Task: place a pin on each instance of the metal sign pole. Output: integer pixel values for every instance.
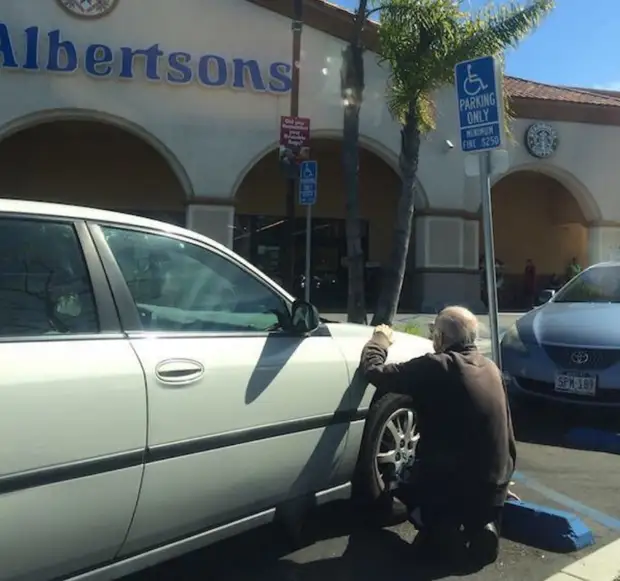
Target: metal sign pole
(308, 251)
(489, 252)
(307, 197)
(479, 90)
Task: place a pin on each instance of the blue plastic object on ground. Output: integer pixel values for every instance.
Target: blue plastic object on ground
(593, 439)
(544, 527)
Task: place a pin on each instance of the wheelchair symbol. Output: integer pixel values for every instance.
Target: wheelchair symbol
(308, 172)
(473, 83)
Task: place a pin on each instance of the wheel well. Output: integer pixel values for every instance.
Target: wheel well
(375, 398)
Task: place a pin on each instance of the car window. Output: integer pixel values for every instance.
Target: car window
(45, 288)
(178, 286)
(600, 284)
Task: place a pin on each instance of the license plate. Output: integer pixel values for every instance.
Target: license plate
(577, 384)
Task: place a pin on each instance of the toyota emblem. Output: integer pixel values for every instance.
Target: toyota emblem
(579, 357)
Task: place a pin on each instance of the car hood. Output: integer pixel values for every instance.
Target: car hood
(352, 338)
(582, 324)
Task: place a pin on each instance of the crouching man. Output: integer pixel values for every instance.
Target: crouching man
(466, 454)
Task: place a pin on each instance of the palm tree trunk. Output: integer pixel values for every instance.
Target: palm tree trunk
(394, 271)
(352, 87)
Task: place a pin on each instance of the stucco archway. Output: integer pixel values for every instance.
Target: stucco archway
(260, 205)
(577, 189)
(94, 116)
(74, 159)
(536, 216)
(366, 144)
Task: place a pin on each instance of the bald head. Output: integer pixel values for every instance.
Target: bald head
(455, 326)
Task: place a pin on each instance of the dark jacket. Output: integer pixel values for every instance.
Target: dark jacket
(462, 411)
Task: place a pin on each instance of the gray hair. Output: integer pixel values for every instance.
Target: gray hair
(456, 326)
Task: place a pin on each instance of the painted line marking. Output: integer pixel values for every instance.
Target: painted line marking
(597, 516)
(601, 565)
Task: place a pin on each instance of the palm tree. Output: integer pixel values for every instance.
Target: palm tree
(352, 90)
(422, 41)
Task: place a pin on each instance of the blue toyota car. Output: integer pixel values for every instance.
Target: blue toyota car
(568, 349)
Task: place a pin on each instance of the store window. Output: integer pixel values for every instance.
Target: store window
(261, 240)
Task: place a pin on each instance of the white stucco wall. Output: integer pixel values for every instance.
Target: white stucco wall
(217, 134)
(586, 162)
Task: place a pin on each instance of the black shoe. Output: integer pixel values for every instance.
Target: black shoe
(439, 546)
(484, 545)
(424, 548)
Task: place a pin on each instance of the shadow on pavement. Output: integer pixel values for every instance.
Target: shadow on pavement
(263, 555)
(548, 424)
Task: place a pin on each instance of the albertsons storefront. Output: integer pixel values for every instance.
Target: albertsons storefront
(172, 110)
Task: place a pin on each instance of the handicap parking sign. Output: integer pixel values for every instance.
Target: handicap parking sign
(308, 183)
(481, 106)
(308, 170)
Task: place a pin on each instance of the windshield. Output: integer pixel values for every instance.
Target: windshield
(596, 285)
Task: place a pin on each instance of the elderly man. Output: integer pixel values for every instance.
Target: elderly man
(466, 454)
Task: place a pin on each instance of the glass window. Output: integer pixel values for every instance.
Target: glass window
(183, 287)
(596, 285)
(44, 283)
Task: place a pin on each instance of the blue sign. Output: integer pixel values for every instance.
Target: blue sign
(38, 50)
(481, 107)
(308, 173)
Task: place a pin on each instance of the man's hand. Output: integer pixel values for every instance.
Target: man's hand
(512, 496)
(386, 331)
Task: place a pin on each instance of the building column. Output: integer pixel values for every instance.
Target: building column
(446, 261)
(213, 220)
(603, 243)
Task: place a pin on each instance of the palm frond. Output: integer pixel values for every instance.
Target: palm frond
(423, 40)
(494, 29)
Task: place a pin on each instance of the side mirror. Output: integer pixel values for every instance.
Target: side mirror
(304, 317)
(545, 296)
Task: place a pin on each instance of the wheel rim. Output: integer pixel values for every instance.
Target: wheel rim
(396, 446)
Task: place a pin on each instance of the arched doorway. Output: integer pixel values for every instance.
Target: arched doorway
(90, 163)
(535, 217)
(261, 212)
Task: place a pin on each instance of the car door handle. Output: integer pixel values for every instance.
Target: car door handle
(179, 371)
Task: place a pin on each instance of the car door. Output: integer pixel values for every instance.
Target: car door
(72, 404)
(242, 414)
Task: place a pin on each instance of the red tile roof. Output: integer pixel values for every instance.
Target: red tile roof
(523, 89)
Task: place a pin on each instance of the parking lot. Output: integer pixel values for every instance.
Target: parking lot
(583, 482)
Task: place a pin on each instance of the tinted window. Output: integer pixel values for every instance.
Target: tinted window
(596, 285)
(44, 284)
(178, 286)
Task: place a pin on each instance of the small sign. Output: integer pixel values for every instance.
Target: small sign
(294, 139)
(481, 105)
(307, 183)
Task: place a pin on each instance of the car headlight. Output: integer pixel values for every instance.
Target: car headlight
(512, 340)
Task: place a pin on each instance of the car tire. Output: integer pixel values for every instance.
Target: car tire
(369, 489)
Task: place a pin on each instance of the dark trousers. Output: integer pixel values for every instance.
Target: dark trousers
(448, 503)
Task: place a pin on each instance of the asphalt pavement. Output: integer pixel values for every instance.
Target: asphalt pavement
(341, 550)
(339, 547)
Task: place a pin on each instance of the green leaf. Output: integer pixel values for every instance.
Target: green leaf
(423, 40)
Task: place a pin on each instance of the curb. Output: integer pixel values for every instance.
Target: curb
(593, 439)
(544, 528)
(601, 565)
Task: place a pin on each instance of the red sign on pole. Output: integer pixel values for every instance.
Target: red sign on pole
(294, 139)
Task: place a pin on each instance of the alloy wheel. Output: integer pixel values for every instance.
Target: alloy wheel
(396, 447)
